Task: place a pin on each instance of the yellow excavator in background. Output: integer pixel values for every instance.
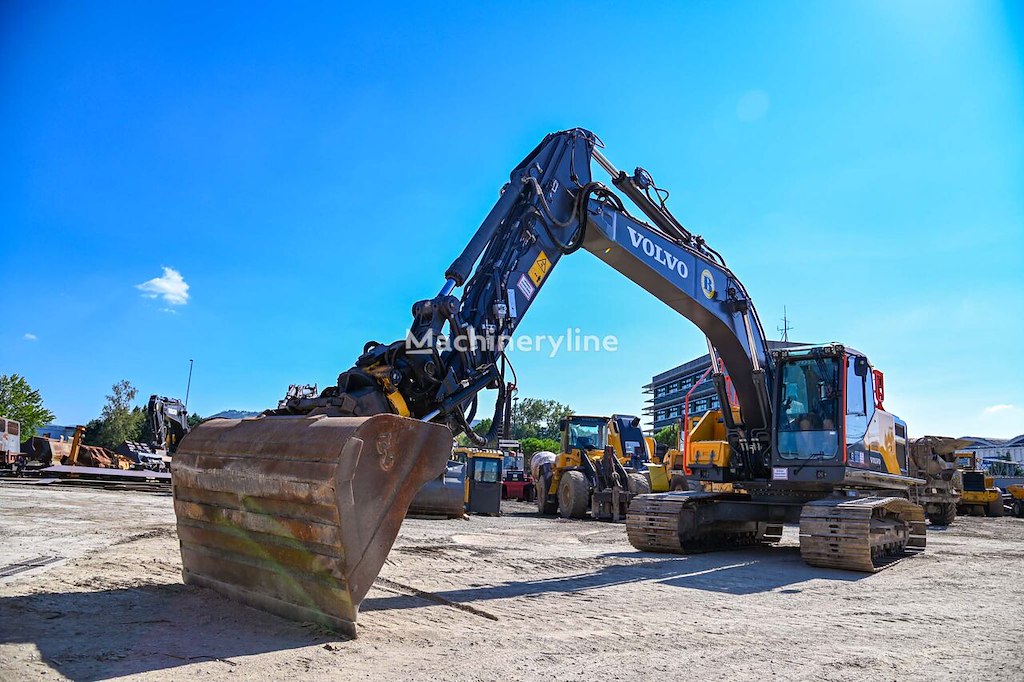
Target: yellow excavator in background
(295, 511)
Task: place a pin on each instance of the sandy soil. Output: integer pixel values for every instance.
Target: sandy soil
(515, 597)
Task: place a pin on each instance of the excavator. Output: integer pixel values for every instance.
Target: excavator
(167, 421)
(295, 511)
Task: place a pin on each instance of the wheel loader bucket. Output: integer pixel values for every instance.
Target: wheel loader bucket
(295, 515)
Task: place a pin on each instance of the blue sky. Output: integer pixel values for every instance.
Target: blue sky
(310, 172)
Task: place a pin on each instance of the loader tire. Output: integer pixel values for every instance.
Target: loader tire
(1018, 509)
(678, 482)
(945, 515)
(995, 507)
(544, 506)
(573, 495)
(638, 484)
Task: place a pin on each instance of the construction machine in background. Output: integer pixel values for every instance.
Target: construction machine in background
(593, 472)
(12, 460)
(702, 446)
(470, 484)
(297, 392)
(1016, 493)
(167, 425)
(933, 459)
(979, 495)
(442, 497)
(295, 512)
(63, 459)
(516, 483)
(483, 479)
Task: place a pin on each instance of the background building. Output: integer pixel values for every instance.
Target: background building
(56, 431)
(1011, 449)
(668, 390)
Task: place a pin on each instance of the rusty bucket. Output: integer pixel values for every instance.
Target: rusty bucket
(295, 514)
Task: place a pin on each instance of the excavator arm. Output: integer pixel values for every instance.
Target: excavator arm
(551, 207)
(296, 510)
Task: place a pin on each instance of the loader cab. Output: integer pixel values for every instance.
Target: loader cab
(830, 417)
(584, 434)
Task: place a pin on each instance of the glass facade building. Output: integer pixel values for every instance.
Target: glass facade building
(668, 390)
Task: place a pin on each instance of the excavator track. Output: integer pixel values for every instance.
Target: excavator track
(866, 534)
(668, 522)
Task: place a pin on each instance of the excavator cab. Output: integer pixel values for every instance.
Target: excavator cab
(830, 425)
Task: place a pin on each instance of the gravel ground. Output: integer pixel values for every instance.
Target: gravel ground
(515, 597)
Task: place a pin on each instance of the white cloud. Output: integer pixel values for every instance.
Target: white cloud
(29, 336)
(998, 408)
(171, 287)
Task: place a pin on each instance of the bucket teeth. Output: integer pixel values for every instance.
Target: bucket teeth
(295, 514)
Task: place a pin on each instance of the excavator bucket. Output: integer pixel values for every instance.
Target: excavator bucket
(296, 514)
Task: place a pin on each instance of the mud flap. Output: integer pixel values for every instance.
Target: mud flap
(296, 515)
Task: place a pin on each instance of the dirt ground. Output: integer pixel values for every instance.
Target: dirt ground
(515, 597)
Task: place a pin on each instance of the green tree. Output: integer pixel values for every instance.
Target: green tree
(22, 403)
(668, 436)
(536, 418)
(533, 445)
(118, 421)
(194, 420)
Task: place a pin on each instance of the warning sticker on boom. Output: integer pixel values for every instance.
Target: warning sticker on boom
(524, 286)
(540, 267)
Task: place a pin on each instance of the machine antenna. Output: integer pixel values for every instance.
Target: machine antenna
(786, 326)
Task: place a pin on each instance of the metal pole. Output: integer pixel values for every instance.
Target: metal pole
(189, 386)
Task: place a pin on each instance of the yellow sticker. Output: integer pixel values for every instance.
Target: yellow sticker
(539, 269)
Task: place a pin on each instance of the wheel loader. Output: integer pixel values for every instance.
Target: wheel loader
(594, 471)
(295, 511)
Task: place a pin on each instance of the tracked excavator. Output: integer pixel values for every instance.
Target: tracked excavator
(296, 510)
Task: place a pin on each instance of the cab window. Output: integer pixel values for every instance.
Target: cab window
(809, 409)
(859, 400)
(587, 434)
(487, 470)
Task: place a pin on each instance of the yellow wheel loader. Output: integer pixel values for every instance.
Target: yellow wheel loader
(295, 511)
(594, 472)
(1016, 493)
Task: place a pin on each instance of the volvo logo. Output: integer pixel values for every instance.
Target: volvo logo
(707, 284)
(659, 254)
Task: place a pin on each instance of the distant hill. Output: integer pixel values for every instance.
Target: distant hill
(233, 414)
